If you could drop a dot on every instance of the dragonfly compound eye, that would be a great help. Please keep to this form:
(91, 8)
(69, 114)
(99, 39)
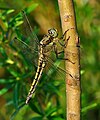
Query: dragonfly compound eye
(53, 32)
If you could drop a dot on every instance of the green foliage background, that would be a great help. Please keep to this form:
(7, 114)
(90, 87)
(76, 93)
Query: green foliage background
(48, 103)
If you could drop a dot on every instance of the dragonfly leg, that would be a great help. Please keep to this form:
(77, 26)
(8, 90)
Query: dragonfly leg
(59, 53)
(64, 38)
(65, 44)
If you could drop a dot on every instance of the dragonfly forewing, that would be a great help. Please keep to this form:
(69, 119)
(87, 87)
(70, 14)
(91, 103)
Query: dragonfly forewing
(30, 55)
(34, 41)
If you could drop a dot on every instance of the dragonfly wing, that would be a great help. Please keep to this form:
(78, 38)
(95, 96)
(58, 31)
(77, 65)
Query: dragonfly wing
(55, 66)
(33, 40)
(26, 50)
(27, 44)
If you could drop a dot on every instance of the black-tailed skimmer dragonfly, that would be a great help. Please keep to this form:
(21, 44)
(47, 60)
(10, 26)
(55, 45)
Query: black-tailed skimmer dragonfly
(40, 49)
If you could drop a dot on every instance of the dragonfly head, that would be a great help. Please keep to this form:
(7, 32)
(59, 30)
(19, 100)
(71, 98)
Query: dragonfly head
(53, 32)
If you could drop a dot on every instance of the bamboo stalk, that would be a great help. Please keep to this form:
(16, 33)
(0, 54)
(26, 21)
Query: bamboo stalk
(72, 53)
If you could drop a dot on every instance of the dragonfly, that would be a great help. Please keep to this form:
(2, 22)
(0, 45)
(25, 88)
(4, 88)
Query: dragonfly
(40, 50)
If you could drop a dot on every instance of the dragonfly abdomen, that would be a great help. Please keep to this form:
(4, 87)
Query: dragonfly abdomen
(41, 66)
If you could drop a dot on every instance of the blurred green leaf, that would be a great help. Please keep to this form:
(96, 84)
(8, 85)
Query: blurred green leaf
(31, 8)
(3, 91)
(90, 107)
(19, 108)
(10, 11)
(36, 108)
(2, 51)
(18, 23)
(16, 94)
(37, 118)
(57, 118)
(6, 81)
(51, 111)
(14, 72)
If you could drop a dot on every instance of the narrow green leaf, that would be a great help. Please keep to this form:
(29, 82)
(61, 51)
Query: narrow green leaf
(13, 72)
(31, 8)
(37, 118)
(57, 118)
(6, 81)
(51, 111)
(16, 94)
(35, 107)
(17, 111)
(10, 11)
(89, 107)
(3, 91)
(18, 23)
(2, 51)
